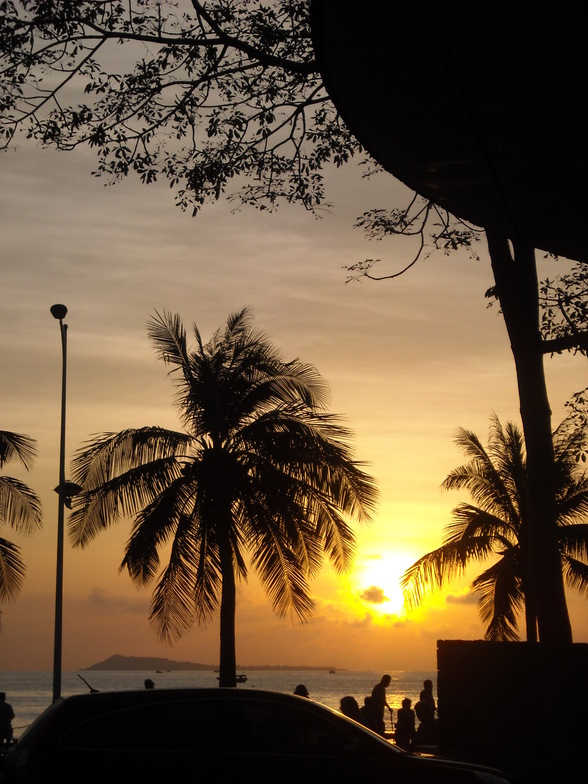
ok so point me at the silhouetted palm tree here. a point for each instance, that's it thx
(496, 525)
(20, 508)
(260, 472)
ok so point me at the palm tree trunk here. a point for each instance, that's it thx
(530, 616)
(228, 606)
(515, 275)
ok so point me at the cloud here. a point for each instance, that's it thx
(102, 601)
(361, 623)
(374, 595)
(399, 623)
(464, 598)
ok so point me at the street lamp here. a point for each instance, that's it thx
(59, 312)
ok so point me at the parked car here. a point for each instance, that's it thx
(239, 735)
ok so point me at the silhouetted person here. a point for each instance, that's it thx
(149, 683)
(367, 713)
(350, 708)
(6, 716)
(301, 690)
(379, 704)
(405, 725)
(427, 693)
(426, 734)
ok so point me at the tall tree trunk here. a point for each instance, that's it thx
(525, 570)
(228, 606)
(515, 275)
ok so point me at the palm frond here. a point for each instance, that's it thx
(336, 537)
(123, 496)
(500, 598)
(12, 570)
(108, 455)
(573, 540)
(283, 578)
(572, 502)
(20, 507)
(311, 478)
(480, 477)
(190, 586)
(280, 516)
(169, 337)
(469, 521)
(172, 604)
(314, 449)
(433, 570)
(575, 573)
(15, 446)
(208, 582)
(154, 526)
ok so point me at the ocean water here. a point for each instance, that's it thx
(30, 693)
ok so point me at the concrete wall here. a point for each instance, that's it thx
(520, 706)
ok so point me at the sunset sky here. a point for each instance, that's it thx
(408, 362)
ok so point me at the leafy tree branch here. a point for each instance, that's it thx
(218, 99)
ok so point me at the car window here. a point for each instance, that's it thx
(159, 726)
(292, 730)
(205, 726)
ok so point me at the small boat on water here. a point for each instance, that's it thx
(241, 677)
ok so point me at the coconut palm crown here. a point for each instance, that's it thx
(20, 508)
(260, 476)
(495, 526)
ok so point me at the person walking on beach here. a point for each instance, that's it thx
(6, 717)
(379, 704)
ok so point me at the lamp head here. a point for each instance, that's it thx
(58, 311)
(68, 490)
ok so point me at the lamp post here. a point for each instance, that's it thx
(59, 312)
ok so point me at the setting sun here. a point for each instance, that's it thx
(376, 582)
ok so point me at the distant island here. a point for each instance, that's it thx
(118, 662)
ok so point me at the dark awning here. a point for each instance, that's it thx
(476, 106)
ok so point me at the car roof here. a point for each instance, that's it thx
(164, 695)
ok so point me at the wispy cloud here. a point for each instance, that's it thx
(462, 598)
(105, 602)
